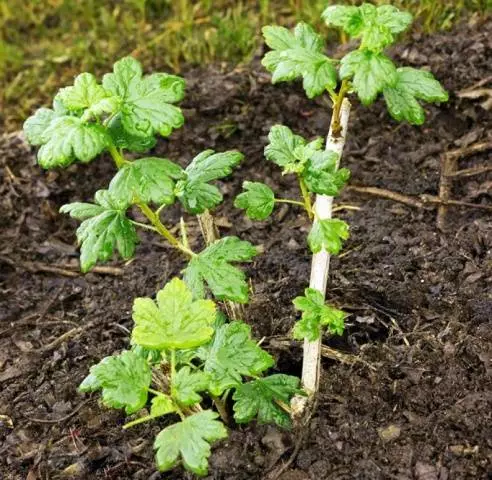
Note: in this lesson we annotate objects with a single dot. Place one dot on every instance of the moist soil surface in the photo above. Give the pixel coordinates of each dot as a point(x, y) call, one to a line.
point(413, 400)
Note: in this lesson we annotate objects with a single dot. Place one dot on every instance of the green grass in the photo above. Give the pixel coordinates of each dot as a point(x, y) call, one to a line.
point(44, 43)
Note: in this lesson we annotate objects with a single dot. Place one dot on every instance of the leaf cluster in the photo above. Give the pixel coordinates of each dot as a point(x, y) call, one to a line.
point(368, 71)
point(127, 110)
point(183, 350)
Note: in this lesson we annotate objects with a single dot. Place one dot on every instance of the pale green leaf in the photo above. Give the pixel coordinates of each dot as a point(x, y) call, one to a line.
point(283, 146)
point(84, 93)
point(189, 441)
point(175, 321)
point(186, 383)
point(67, 139)
point(124, 380)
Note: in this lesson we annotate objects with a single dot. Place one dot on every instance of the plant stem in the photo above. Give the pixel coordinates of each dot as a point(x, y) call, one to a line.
point(307, 198)
point(118, 158)
point(222, 409)
point(156, 222)
point(173, 364)
point(336, 126)
point(321, 261)
point(286, 200)
point(144, 225)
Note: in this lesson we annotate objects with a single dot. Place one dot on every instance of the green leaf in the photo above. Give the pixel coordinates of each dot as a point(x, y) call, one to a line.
point(36, 125)
point(186, 384)
point(258, 200)
point(231, 355)
point(315, 314)
point(122, 139)
point(145, 102)
point(328, 234)
point(299, 55)
point(412, 84)
point(65, 139)
point(175, 321)
point(161, 405)
point(213, 266)
point(189, 439)
point(262, 398)
point(322, 176)
point(124, 380)
point(376, 26)
point(106, 227)
point(194, 191)
point(371, 72)
point(84, 93)
point(149, 179)
point(283, 146)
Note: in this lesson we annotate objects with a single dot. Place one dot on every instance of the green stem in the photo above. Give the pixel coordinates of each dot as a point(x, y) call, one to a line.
point(118, 158)
point(344, 88)
point(144, 225)
point(307, 198)
point(286, 200)
point(173, 365)
point(156, 222)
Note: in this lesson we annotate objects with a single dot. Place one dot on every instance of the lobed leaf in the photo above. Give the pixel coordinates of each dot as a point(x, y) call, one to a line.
point(315, 314)
point(283, 146)
point(105, 229)
point(213, 267)
point(376, 26)
point(186, 384)
point(84, 93)
point(266, 399)
point(258, 200)
point(412, 84)
point(149, 179)
point(175, 321)
point(299, 55)
point(189, 440)
point(322, 176)
point(328, 234)
point(65, 139)
point(124, 380)
point(231, 355)
point(194, 192)
point(145, 102)
point(371, 72)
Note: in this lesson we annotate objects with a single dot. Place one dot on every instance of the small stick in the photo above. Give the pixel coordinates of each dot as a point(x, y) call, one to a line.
point(423, 201)
point(382, 192)
point(321, 264)
point(58, 420)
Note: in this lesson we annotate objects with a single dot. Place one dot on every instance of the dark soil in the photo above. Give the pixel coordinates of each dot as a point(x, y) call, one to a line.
point(419, 403)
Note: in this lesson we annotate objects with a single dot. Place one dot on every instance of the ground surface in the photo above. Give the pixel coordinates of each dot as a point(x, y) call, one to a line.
point(418, 405)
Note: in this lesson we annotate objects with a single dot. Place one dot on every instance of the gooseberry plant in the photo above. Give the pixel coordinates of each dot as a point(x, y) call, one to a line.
point(365, 72)
point(186, 360)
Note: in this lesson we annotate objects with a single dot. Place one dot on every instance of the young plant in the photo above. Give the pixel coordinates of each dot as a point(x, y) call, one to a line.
point(183, 349)
point(124, 114)
point(365, 72)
